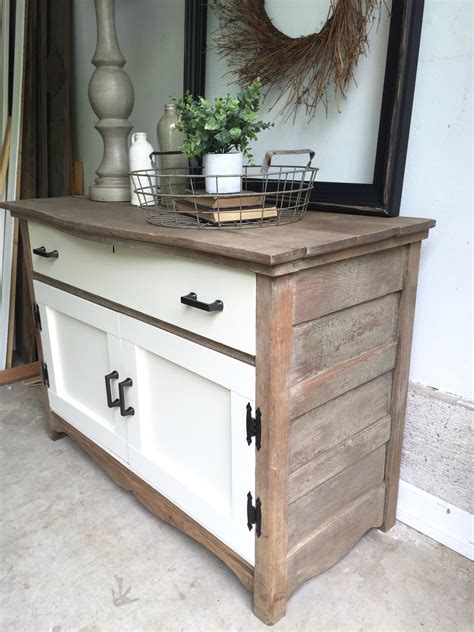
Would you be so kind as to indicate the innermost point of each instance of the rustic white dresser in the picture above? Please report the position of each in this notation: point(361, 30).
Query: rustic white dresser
point(249, 387)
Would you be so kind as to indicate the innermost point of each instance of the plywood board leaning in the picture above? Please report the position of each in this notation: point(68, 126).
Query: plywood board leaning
point(13, 181)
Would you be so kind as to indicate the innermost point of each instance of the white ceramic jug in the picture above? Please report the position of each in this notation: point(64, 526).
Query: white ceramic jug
point(139, 159)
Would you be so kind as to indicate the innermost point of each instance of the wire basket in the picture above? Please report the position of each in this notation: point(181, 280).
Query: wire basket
point(269, 195)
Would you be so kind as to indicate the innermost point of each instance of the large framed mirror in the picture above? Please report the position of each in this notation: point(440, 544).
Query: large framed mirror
point(361, 143)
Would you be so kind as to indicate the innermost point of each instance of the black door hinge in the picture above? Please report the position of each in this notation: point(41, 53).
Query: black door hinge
point(37, 315)
point(254, 427)
point(44, 371)
point(254, 515)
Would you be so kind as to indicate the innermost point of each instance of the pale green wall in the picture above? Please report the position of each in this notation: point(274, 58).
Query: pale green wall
point(345, 140)
point(151, 36)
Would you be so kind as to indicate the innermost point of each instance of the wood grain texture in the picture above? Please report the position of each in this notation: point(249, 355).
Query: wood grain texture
point(156, 322)
point(328, 464)
point(332, 423)
point(344, 283)
point(400, 383)
point(315, 234)
point(13, 288)
point(318, 505)
point(275, 269)
point(25, 334)
point(332, 540)
point(5, 155)
point(158, 504)
point(329, 384)
point(321, 344)
point(274, 338)
point(19, 373)
point(348, 253)
point(78, 177)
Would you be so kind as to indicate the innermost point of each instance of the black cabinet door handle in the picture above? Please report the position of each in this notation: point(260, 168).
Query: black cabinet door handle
point(125, 412)
point(191, 299)
point(42, 252)
point(111, 403)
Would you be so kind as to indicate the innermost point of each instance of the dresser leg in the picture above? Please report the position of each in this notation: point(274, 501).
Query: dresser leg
point(271, 609)
point(273, 362)
point(52, 428)
point(400, 383)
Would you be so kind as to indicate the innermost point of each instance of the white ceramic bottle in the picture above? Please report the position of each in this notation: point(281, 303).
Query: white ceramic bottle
point(139, 159)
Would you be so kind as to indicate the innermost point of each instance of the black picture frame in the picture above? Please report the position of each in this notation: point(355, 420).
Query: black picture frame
point(383, 196)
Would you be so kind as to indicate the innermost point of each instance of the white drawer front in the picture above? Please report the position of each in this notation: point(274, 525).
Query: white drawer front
point(153, 283)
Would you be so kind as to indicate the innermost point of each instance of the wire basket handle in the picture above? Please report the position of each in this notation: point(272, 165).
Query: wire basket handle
point(161, 153)
point(267, 161)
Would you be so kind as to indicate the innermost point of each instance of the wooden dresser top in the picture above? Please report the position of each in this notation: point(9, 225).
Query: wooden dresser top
point(316, 234)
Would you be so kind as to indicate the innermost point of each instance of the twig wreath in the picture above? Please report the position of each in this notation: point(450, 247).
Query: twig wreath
point(301, 68)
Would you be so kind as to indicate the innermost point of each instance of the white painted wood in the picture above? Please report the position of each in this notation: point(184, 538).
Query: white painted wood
point(13, 179)
point(81, 345)
point(4, 55)
point(217, 367)
point(188, 435)
point(4, 81)
point(152, 282)
point(436, 518)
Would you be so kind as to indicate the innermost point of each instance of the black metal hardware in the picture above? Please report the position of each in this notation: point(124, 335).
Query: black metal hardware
point(42, 252)
point(191, 300)
point(254, 515)
point(125, 411)
point(254, 426)
point(44, 372)
point(111, 403)
point(37, 315)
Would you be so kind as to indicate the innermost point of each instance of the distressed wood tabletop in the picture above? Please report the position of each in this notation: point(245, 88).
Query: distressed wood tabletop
point(316, 234)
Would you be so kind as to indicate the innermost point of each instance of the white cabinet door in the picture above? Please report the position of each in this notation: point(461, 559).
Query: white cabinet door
point(188, 435)
point(81, 345)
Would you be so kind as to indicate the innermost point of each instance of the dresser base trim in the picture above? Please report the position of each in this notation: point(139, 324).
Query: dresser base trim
point(153, 500)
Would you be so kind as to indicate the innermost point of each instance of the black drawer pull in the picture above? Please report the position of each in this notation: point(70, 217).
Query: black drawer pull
point(111, 403)
point(125, 411)
point(191, 300)
point(41, 252)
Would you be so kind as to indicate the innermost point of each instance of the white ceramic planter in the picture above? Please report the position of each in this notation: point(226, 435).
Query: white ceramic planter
point(228, 165)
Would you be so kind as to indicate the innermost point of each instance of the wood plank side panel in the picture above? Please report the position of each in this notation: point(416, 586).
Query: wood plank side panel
point(318, 505)
point(336, 381)
point(338, 285)
point(400, 383)
point(156, 503)
point(347, 253)
point(332, 540)
point(332, 423)
point(274, 340)
point(322, 343)
point(332, 462)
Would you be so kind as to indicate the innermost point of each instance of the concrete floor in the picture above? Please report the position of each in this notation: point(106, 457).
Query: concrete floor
point(78, 553)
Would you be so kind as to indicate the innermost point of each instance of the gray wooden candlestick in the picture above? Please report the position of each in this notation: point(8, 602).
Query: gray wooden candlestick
point(111, 96)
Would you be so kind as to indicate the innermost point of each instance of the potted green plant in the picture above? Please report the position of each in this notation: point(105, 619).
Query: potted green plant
point(220, 133)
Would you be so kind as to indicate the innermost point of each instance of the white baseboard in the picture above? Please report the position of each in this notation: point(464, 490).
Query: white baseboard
point(436, 518)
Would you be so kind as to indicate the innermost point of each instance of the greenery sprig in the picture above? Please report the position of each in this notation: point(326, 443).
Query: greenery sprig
point(230, 123)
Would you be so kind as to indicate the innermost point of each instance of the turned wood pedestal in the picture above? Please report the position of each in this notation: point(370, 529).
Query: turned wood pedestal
point(268, 428)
